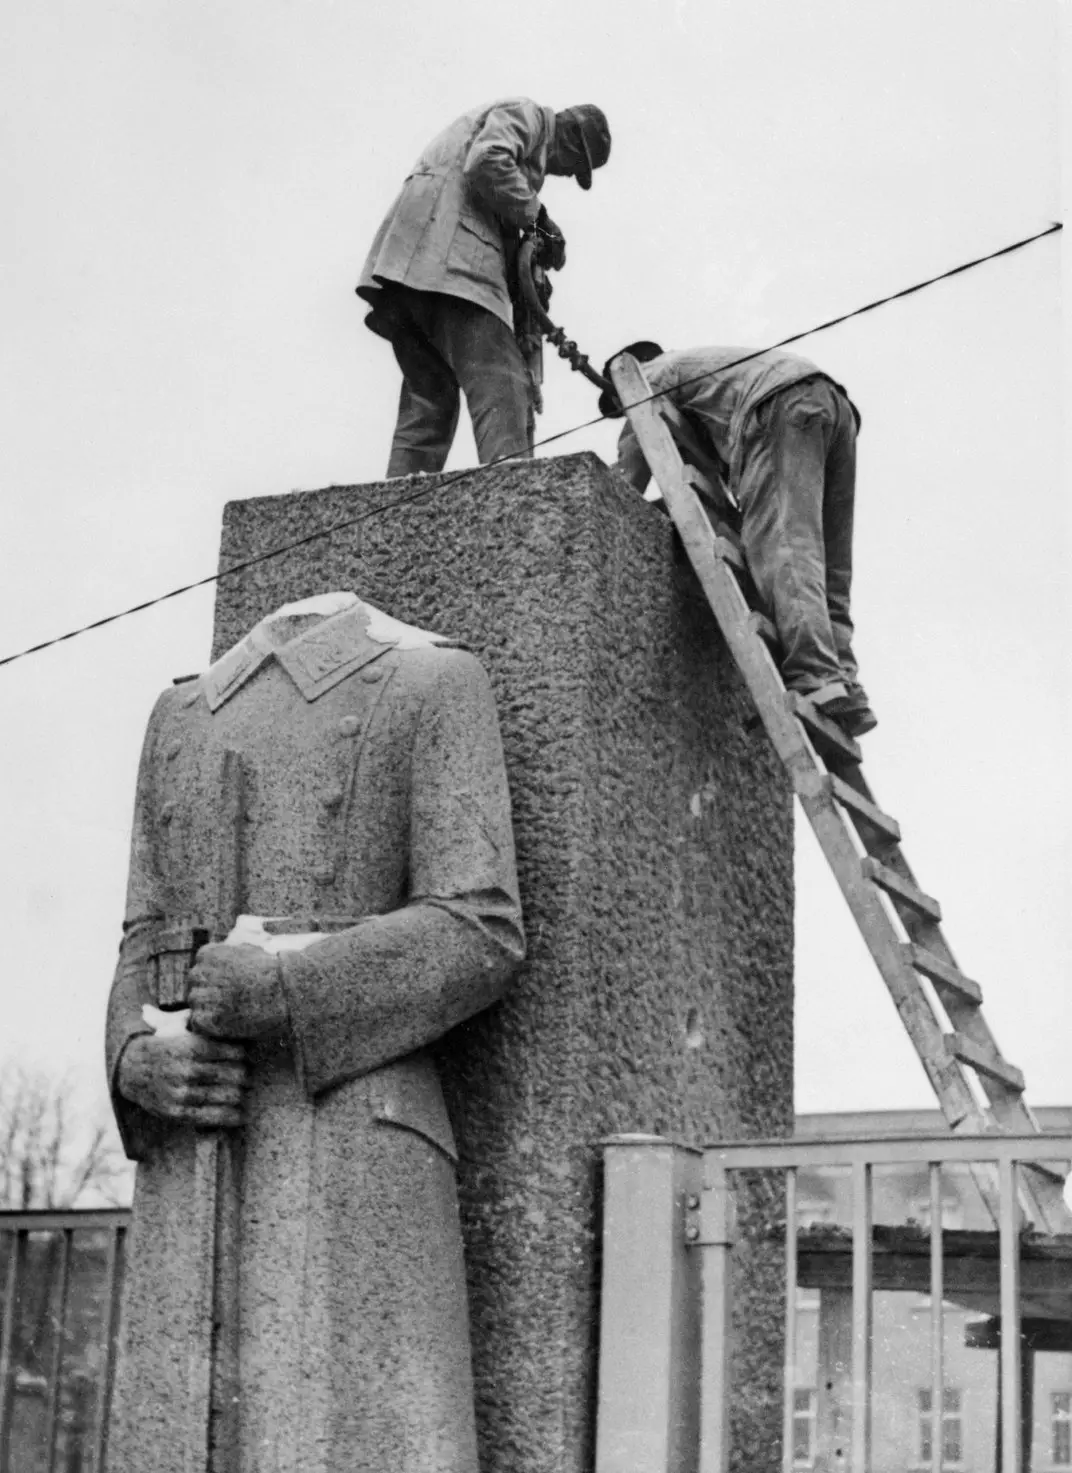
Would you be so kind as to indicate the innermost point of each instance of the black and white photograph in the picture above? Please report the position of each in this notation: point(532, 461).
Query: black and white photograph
point(535, 820)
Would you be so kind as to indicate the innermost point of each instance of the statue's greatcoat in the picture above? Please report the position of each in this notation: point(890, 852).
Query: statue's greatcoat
point(375, 793)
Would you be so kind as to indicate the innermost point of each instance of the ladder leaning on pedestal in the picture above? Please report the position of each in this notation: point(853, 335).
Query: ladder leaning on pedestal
point(824, 766)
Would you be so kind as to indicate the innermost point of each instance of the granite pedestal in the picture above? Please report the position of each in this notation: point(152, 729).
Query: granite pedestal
point(654, 841)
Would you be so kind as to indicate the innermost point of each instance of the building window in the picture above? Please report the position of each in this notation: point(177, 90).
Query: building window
point(1061, 1429)
point(803, 1427)
point(952, 1428)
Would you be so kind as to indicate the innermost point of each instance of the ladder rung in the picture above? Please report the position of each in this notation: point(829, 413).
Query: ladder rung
point(985, 1063)
point(729, 552)
point(903, 890)
point(685, 437)
point(713, 498)
point(943, 974)
point(870, 813)
point(759, 624)
point(826, 734)
point(702, 483)
point(711, 494)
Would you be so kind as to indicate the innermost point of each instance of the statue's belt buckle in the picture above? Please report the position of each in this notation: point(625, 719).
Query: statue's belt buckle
point(172, 951)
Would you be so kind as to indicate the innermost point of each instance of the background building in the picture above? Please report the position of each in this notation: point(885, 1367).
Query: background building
point(903, 1426)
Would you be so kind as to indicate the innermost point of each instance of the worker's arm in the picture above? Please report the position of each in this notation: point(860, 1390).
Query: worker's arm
point(631, 460)
point(511, 134)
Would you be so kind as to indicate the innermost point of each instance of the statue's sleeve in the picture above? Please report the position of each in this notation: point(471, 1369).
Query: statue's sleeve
point(511, 133)
point(137, 1128)
point(393, 983)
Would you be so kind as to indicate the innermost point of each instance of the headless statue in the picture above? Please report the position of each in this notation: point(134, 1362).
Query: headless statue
point(322, 877)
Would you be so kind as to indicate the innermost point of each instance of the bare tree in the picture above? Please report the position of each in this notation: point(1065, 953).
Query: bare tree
point(54, 1151)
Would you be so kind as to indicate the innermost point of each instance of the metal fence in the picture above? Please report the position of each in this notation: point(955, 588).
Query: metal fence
point(61, 1274)
point(666, 1339)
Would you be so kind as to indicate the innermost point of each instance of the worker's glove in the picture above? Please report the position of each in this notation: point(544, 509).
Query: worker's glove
point(550, 242)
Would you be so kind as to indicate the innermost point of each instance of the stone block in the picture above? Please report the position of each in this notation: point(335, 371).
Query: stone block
point(654, 840)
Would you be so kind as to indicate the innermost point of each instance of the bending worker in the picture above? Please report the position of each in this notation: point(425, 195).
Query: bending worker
point(786, 436)
point(437, 276)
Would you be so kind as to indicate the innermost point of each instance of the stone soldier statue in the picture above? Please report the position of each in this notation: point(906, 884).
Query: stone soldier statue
point(371, 846)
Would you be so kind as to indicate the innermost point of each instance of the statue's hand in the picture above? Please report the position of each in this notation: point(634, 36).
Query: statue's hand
point(185, 1078)
point(236, 992)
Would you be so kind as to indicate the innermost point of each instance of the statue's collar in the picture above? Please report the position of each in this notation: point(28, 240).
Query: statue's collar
point(319, 657)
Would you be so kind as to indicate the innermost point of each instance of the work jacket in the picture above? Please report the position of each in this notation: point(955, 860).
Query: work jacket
point(376, 810)
point(717, 388)
point(444, 232)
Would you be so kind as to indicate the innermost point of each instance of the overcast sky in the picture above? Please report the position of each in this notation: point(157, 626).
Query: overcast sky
point(189, 191)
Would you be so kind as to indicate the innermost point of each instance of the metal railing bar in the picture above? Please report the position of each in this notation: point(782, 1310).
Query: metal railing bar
point(50, 1222)
point(789, 1378)
point(937, 1322)
point(1011, 1430)
point(888, 1151)
point(861, 1317)
point(7, 1346)
point(111, 1319)
point(59, 1332)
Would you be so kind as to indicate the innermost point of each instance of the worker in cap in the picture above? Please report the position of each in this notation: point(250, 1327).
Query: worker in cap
point(785, 436)
point(438, 275)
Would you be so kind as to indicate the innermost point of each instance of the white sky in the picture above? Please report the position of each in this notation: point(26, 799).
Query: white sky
point(189, 191)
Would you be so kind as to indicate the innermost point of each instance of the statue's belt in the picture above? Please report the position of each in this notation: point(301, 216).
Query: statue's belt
point(170, 948)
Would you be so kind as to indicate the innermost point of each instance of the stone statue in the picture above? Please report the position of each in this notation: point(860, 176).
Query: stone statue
point(337, 778)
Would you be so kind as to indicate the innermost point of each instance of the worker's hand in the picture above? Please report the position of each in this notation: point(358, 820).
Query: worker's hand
point(186, 1079)
point(550, 242)
point(237, 992)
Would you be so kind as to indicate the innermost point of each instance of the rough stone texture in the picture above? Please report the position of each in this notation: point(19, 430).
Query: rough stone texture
point(654, 842)
point(368, 799)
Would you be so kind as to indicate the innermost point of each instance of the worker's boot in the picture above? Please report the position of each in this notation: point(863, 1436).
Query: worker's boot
point(846, 703)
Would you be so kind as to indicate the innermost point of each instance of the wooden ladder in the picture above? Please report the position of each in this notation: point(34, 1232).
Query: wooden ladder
point(900, 924)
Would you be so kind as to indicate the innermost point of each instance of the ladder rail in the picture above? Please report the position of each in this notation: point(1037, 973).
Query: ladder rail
point(1009, 1107)
point(718, 566)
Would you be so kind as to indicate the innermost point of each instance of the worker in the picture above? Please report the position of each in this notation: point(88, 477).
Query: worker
point(785, 434)
point(437, 276)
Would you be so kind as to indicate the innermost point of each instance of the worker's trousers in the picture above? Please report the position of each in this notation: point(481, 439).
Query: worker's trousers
point(796, 488)
point(447, 347)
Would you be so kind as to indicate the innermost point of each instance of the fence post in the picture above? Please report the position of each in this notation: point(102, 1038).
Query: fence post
point(649, 1359)
point(713, 1239)
point(9, 1340)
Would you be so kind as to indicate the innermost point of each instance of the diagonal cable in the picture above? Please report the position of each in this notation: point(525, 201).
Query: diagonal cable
point(440, 483)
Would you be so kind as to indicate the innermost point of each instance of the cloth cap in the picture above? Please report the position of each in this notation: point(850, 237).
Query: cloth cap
point(643, 352)
point(593, 135)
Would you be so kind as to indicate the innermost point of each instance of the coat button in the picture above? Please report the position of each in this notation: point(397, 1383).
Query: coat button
point(372, 674)
point(349, 726)
point(167, 813)
point(324, 876)
point(332, 798)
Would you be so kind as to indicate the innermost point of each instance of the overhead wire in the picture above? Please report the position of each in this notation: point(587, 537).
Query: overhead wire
point(439, 483)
